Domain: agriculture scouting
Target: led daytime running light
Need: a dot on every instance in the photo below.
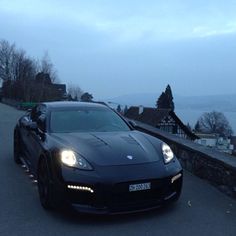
(81, 188)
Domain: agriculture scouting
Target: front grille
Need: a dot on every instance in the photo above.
(121, 196)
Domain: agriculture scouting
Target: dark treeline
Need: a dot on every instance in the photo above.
(27, 79)
(165, 101)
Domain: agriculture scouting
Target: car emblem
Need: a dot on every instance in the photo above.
(130, 157)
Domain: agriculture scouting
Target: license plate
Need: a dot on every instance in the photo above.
(139, 187)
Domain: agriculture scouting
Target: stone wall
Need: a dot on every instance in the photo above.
(218, 168)
(10, 102)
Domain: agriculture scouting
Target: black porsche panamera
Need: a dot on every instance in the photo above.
(87, 155)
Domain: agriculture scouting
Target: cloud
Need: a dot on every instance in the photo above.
(206, 31)
(133, 21)
(111, 46)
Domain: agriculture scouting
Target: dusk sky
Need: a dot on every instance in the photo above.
(111, 48)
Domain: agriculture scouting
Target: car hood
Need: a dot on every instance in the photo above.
(112, 148)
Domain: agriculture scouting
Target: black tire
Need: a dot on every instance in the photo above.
(17, 147)
(45, 188)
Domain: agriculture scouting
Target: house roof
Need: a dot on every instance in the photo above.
(149, 115)
(153, 116)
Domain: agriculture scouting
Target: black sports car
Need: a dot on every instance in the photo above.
(87, 155)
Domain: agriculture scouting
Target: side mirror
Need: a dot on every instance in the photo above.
(24, 121)
(32, 126)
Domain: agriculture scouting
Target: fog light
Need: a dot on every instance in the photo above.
(80, 188)
(175, 177)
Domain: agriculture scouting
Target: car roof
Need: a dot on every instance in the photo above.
(71, 104)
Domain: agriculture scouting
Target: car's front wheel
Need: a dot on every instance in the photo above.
(45, 188)
(17, 147)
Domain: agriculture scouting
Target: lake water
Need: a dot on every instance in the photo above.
(191, 117)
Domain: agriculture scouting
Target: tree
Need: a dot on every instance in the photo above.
(125, 110)
(118, 109)
(165, 101)
(74, 92)
(24, 78)
(197, 127)
(6, 60)
(16, 70)
(169, 97)
(214, 122)
(161, 102)
(27, 71)
(189, 127)
(86, 97)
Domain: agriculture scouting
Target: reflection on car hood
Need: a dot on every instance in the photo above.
(112, 148)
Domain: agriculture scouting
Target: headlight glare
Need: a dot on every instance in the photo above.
(71, 159)
(68, 158)
(167, 153)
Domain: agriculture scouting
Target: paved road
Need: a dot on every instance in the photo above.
(209, 212)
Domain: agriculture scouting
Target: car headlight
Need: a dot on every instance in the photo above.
(71, 159)
(167, 153)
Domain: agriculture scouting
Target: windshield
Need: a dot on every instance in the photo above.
(86, 120)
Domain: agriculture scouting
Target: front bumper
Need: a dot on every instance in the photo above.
(106, 190)
(117, 199)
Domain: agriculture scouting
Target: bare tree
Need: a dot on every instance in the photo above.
(6, 60)
(18, 58)
(214, 122)
(16, 70)
(74, 91)
(25, 79)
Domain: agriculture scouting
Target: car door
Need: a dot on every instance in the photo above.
(34, 138)
(23, 123)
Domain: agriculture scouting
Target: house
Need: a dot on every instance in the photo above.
(163, 119)
(208, 140)
(233, 142)
(216, 142)
(58, 91)
(35, 90)
(52, 91)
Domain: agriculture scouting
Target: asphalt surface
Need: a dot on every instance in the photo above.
(201, 210)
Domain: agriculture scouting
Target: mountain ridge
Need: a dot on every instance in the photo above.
(222, 102)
